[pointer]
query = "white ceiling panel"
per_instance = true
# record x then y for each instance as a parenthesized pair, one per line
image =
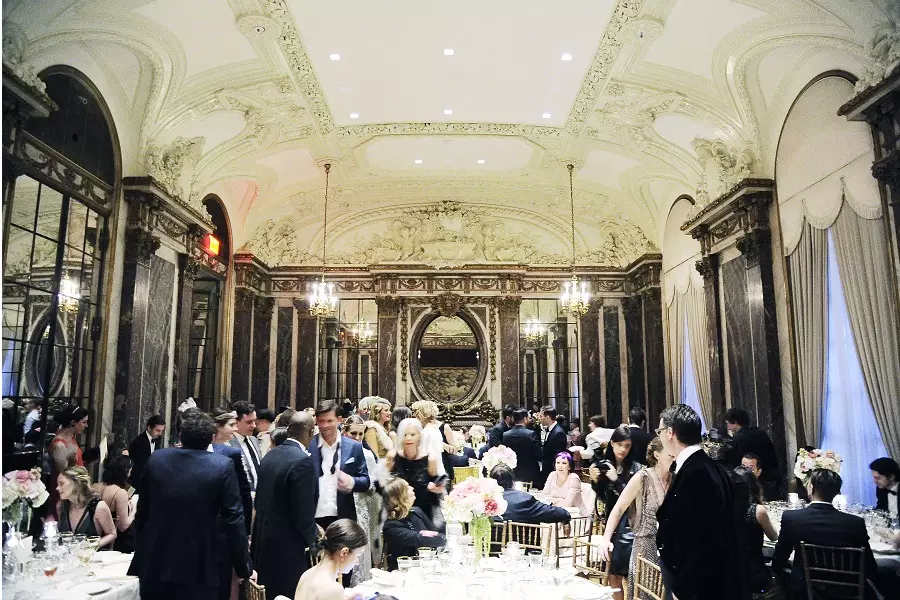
(442, 154)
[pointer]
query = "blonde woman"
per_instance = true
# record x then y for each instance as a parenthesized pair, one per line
(422, 469)
(377, 428)
(80, 510)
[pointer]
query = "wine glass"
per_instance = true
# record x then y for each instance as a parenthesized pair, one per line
(51, 566)
(403, 564)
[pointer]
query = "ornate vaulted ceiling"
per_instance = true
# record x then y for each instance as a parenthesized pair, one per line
(243, 98)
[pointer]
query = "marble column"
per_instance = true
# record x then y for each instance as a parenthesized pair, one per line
(612, 367)
(140, 247)
(508, 324)
(632, 307)
(708, 267)
(756, 247)
(262, 345)
(591, 369)
(654, 349)
(284, 341)
(388, 342)
(307, 349)
(240, 354)
(188, 269)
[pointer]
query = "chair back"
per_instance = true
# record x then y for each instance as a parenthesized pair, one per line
(463, 473)
(498, 537)
(254, 591)
(587, 559)
(834, 572)
(529, 536)
(312, 557)
(588, 497)
(566, 533)
(648, 579)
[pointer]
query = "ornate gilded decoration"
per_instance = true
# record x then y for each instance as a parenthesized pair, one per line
(404, 333)
(263, 308)
(492, 339)
(447, 304)
(140, 245)
(243, 300)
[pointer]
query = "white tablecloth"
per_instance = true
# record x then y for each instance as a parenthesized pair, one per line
(107, 567)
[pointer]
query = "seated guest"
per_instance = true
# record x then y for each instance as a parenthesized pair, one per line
(341, 547)
(113, 490)
(757, 523)
(423, 470)
(753, 440)
(768, 488)
(886, 475)
(821, 524)
(80, 510)
(408, 528)
(563, 486)
(522, 507)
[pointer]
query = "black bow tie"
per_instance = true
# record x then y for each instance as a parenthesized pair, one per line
(894, 492)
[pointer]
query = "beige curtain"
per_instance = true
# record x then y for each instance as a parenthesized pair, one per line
(675, 346)
(809, 289)
(862, 254)
(695, 307)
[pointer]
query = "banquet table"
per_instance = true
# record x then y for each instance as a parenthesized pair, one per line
(106, 569)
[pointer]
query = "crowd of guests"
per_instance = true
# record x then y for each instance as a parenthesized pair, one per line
(308, 502)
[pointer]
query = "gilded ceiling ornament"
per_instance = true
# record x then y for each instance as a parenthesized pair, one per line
(448, 304)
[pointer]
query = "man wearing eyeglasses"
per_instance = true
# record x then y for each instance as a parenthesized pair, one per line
(341, 467)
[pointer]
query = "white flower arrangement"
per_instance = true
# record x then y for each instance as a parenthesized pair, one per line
(499, 455)
(807, 462)
(475, 497)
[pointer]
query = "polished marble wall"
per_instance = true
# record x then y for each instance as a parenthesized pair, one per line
(158, 337)
(739, 335)
(283, 352)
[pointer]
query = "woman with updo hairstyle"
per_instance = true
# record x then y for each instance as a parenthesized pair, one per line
(114, 491)
(80, 510)
(339, 550)
(408, 528)
(563, 486)
(378, 426)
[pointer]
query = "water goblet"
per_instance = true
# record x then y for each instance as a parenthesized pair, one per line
(403, 564)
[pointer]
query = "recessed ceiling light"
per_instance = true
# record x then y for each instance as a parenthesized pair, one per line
(334, 56)
(418, 161)
(448, 111)
(566, 56)
(354, 115)
(480, 161)
(545, 116)
(448, 51)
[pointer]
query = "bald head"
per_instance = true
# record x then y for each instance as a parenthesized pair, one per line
(301, 427)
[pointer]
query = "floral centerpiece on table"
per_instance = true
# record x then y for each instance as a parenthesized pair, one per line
(499, 455)
(22, 491)
(476, 501)
(807, 462)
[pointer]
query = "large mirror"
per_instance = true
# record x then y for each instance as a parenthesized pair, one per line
(448, 363)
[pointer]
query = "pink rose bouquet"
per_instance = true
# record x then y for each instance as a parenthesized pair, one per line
(22, 490)
(476, 501)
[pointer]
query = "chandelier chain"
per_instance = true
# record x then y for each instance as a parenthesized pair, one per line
(325, 228)
(571, 167)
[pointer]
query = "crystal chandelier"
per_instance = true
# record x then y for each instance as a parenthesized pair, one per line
(362, 332)
(69, 295)
(322, 301)
(575, 299)
(534, 331)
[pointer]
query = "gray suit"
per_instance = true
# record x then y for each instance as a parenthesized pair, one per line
(252, 467)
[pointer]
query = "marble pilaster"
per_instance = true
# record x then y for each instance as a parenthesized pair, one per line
(508, 326)
(262, 346)
(283, 348)
(307, 348)
(240, 354)
(388, 320)
(591, 367)
(654, 352)
(612, 365)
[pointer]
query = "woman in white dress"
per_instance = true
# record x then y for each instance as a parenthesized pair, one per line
(343, 544)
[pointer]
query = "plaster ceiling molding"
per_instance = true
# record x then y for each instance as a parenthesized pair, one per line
(292, 167)
(238, 192)
(276, 243)
(884, 49)
(173, 168)
(636, 37)
(630, 111)
(258, 27)
(724, 166)
(14, 43)
(394, 154)
(618, 242)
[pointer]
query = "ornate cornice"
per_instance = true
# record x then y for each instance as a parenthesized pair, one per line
(745, 210)
(754, 245)
(388, 306)
(887, 169)
(151, 208)
(250, 273)
(745, 185)
(140, 245)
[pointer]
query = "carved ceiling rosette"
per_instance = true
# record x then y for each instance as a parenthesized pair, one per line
(448, 304)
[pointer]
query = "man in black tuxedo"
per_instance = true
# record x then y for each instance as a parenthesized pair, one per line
(285, 524)
(244, 439)
(522, 507)
(640, 439)
(753, 440)
(555, 441)
(143, 446)
(527, 446)
(190, 502)
(822, 524)
(495, 433)
(886, 475)
(697, 534)
(769, 489)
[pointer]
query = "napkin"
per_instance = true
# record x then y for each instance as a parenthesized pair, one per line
(386, 578)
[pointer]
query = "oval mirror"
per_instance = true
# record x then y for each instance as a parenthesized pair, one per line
(448, 359)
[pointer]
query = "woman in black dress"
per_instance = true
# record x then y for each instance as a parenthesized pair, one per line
(407, 528)
(610, 473)
(423, 471)
(81, 511)
(114, 491)
(757, 523)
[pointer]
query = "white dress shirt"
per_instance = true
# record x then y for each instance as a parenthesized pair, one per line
(892, 500)
(248, 458)
(328, 481)
(296, 442)
(685, 454)
(152, 444)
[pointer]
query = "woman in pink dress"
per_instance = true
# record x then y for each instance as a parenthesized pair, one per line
(563, 486)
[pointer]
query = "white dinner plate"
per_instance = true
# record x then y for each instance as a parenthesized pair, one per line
(92, 588)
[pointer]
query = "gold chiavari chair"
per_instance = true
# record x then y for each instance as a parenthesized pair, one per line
(834, 572)
(255, 591)
(530, 537)
(499, 530)
(587, 558)
(566, 533)
(463, 473)
(312, 557)
(648, 579)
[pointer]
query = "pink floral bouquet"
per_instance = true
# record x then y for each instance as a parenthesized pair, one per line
(475, 497)
(22, 490)
(497, 455)
(817, 459)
